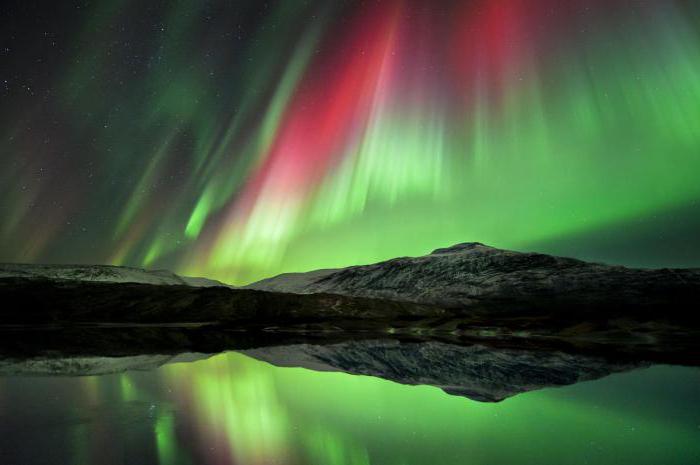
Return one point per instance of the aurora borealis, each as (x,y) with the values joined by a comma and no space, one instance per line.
(240,139)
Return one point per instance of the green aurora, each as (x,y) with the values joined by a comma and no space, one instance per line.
(237,141)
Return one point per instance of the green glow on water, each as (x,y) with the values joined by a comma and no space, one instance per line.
(231,409)
(300,416)
(166,440)
(126,388)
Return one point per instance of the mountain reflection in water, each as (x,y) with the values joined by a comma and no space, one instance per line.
(233,409)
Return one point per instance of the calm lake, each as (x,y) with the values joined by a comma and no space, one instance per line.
(233,409)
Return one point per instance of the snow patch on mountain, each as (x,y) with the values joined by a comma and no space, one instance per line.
(101,273)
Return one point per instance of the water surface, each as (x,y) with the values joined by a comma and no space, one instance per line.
(232,409)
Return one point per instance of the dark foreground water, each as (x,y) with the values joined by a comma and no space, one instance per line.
(231,409)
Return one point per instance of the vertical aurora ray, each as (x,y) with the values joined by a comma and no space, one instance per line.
(238,141)
(270,206)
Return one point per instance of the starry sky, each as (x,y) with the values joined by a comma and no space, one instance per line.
(241,139)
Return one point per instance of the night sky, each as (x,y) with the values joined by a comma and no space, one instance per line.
(240,139)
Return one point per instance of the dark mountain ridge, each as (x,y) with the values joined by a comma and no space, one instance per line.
(465,294)
(473,275)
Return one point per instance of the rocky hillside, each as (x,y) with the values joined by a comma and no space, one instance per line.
(473,274)
(481,373)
